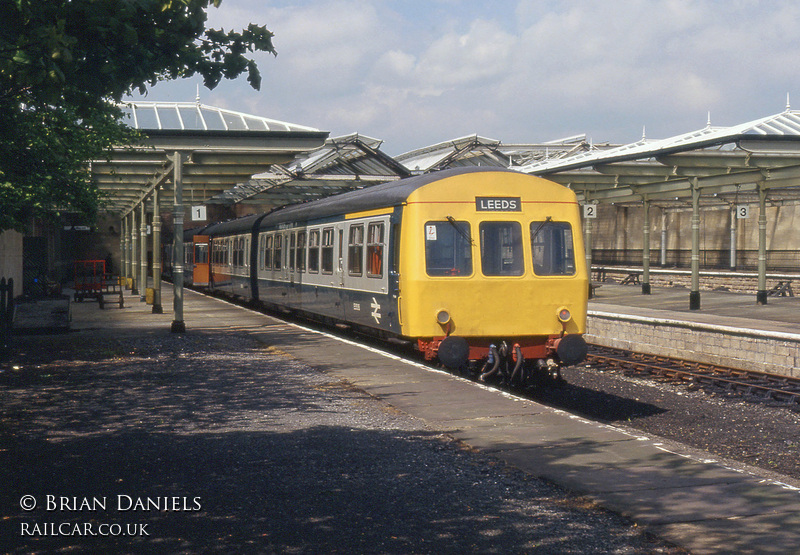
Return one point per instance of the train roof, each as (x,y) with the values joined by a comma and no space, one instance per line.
(393,193)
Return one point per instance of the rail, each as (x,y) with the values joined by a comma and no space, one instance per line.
(764,385)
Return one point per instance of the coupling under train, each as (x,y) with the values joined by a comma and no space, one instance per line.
(480,269)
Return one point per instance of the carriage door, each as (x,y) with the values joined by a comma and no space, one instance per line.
(340,270)
(200,272)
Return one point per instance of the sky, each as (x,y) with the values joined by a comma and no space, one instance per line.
(419,72)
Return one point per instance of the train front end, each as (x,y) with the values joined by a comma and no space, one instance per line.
(493,276)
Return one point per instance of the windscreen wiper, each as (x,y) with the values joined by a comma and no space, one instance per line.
(452,221)
(548,219)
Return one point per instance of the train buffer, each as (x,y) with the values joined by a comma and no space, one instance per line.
(782,289)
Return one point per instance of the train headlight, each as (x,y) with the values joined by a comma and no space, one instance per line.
(443,317)
(564,315)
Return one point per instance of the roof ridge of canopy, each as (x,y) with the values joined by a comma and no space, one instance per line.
(781,125)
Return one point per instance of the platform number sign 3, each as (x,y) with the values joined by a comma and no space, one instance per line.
(199,214)
(590,210)
(742,212)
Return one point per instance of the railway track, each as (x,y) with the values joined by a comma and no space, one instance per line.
(765,386)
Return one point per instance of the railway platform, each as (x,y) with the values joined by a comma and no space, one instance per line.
(730,329)
(311,443)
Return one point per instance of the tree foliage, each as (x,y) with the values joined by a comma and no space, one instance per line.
(63,66)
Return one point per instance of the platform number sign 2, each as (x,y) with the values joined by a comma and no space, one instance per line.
(742,212)
(590,210)
(199,214)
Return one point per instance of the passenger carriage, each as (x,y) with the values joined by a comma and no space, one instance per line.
(476,266)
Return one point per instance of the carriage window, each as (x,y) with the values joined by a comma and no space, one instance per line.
(553,251)
(375,249)
(301,251)
(237,252)
(268,252)
(201,253)
(501,249)
(327,251)
(355,250)
(313,251)
(448,248)
(292,249)
(277,254)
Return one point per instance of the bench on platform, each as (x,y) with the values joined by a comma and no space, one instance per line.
(631,279)
(111,289)
(782,289)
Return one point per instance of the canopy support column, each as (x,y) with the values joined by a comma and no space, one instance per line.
(646,249)
(761,295)
(123,248)
(694,294)
(663,237)
(128,251)
(157,308)
(134,254)
(143,253)
(733,237)
(178,325)
(588,248)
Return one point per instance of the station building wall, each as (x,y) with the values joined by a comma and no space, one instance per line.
(618,238)
(11,258)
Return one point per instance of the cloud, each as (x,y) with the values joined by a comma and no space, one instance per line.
(414,72)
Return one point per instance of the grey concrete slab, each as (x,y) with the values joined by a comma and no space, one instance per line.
(707,502)
(506,436)
(595,467)
(774,533)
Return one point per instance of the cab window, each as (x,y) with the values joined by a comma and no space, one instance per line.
(448,248)
(552,248)
(501,249)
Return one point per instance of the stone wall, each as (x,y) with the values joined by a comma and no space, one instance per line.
(778,353)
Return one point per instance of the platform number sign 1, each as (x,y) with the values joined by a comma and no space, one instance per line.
(590,210)
(742,212)
(199,214)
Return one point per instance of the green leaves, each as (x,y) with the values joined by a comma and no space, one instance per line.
(62,65)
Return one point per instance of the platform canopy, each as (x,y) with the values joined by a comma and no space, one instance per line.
(220,149)
(474,150)
(725,165)
(343,163)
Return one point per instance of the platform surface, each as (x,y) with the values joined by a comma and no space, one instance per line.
(698,504)
(780,314)
(658,486)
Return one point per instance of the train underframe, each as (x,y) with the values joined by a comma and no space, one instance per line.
(517,362)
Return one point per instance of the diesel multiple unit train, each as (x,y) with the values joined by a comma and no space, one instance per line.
(480,269)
